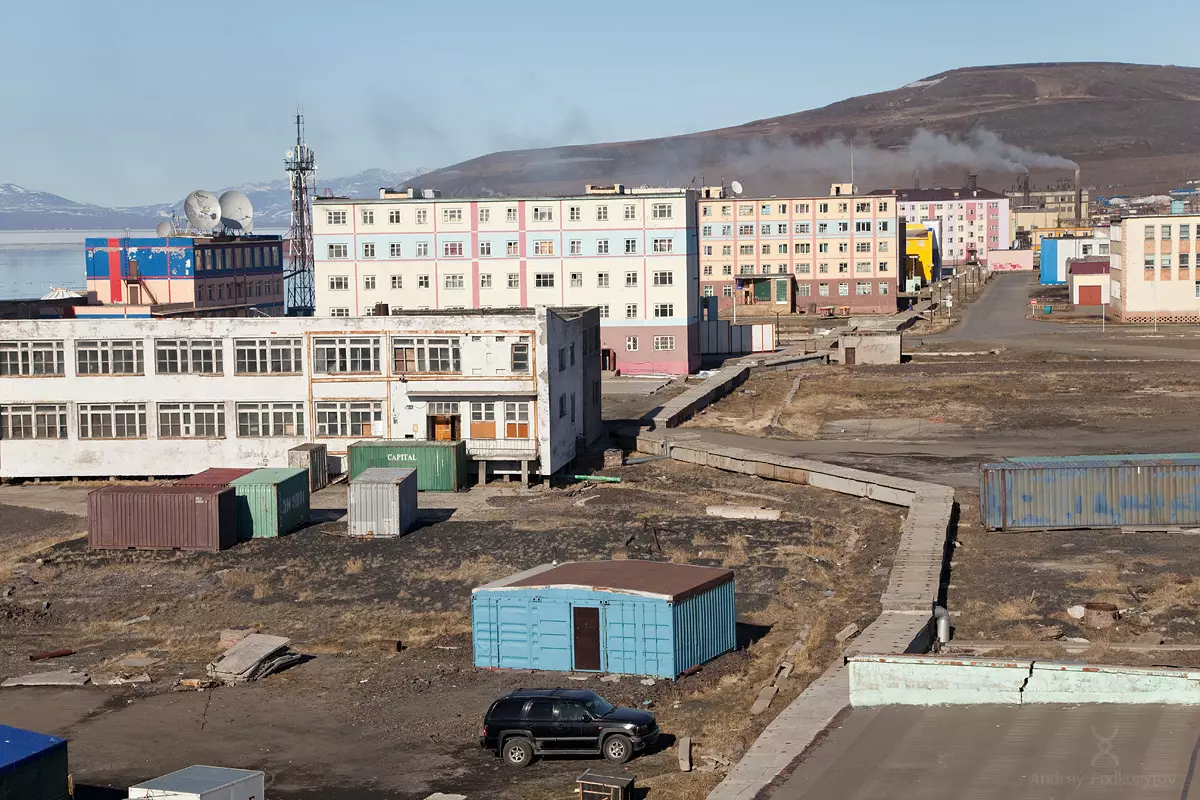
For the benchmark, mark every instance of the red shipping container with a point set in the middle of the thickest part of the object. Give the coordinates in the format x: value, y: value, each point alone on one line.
x: 167, y: 517
x: 215, y: 476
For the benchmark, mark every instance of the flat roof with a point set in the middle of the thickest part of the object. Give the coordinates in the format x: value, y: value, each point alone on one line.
x: 398, y: 197
x: 1015, y: 752
x: 649, y: 578
x: 17, y: 745
x: 197, y: 779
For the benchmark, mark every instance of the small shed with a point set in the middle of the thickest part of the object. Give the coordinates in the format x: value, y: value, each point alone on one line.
x: 868, y: 347
x: 632, y: 617
x: 204, y: 783
x: 1089, y: 279
x: 605, y: 784
x: 33, y: 766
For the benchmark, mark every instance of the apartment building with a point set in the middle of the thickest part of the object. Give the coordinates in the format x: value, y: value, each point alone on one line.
x: 1153, y: 272
x: 630, y: 252
x: 175, y: 396
x: 797, y: 254
x: 177, y: 275
x: 969, y: 222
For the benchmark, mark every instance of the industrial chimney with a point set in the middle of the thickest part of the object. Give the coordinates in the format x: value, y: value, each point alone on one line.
x: 1078, y: 198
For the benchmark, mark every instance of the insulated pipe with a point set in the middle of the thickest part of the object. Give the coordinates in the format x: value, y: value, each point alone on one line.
x: 942, y: 620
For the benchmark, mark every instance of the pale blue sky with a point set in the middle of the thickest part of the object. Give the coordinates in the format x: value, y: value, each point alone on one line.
x: 128, y: 101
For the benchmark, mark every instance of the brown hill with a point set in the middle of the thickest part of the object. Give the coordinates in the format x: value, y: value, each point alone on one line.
x: 1132, y: 128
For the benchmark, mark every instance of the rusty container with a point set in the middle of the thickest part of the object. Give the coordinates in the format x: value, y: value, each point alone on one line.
x: 215, y: 476
x: 168, y: 517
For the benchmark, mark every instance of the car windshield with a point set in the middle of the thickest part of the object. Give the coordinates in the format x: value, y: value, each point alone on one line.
x: 598, y: 706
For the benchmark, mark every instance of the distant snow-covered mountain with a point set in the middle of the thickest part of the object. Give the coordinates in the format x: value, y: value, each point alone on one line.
x: 29, y: 209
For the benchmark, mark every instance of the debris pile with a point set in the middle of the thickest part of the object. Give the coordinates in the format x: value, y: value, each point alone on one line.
x: 256, y: 656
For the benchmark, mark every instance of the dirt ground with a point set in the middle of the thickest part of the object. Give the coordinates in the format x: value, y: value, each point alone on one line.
x: 379, y: 725
x: 1017, y: 587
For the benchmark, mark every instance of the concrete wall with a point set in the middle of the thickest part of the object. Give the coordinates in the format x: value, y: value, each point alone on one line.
x: 869, y: 348
x: 388, y: 403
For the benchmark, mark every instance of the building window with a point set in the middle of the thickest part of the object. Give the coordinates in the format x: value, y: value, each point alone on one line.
x: 843, y: 290
x: 434, y: 354
x: 766, y: 269
x: 350, y: 354
x: 341, y: 311
x: 883, y: 266
x: 708, y: 270
x: 422, y: 249
x: 576, y: 247
x: 510, y: 214
x: 602, y: 247
x: 368, y: 216
x: 1184, y: 260
x: 349, y: 418
x: 630, y: 211
x: 485, y: 214
x: 576, y: 280
x: 485, y: 248
x: 843, y: 227
x: 602, y: 280
x: 804, y: 269
x: 630, y: 246
x: 112, y: 420
x: 543, y: 247
x: 188, y: 356
x: 727, y: 269
x: 519, y: 360
x: 339, y: 283
x: 543, y: 213
x: 664, y: 278
x: 422, y: 216
x: 574, y: 213
x: 1165, y: 262
x: 862, y: 266
x: 803, y: 290
x: 631, y: 344
x: 335, y: 217
x: 862, y: 288
x: 368, y: 282
x: 843, y: 268
x: 269, y: 419
x: 745, y: 249
x: 745, y: 230
x: 543, y: 280
x: 31, y: 358
x: 452, y: 249
x: 514, y: 280
x: 485, y: 280
x: 766, y: 249
x: 631, y: 280
x: 394, y: 217
x: 48, y: 421
x: 883, y: 288
x: 664, y: 310
x: 804, y: 247
x: 708, y: 290
x: 823, y: 290
x: 109, y: 357
x: 661, y: 211
x: 664, y: 342
x: 453, y: 281
x: 727, y: 291
x: 1166, y: 231
x: 663, y: 245
x: 395, y: 250
x: 191, y: 421
x: 601, y: 213
x: 862, y: 247
x: 631, y: 311
x: 368, y: 250
x: 338, y: 251
x: 884, y: 226
x: 822, y: 227
x: 603, y: 312
x: 1148, y: 262
x: 422, y: 281
x: 452, y: 215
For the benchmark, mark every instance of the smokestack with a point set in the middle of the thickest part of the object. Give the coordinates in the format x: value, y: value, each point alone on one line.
x: 1079, y: 199
x: 972, y: 181
x: 1023, y: 185
x: 917, y: 179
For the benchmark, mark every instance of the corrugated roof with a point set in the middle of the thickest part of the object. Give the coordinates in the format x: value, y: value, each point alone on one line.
x: 1069, y: 462
x: 197, y: 779
x: 215, y: 476
x: 1088, y: 266
x: 267, y: 475
x: 383, y: 475
x: 18, y: 745
x: 157, y: 488
x: 660, y: 579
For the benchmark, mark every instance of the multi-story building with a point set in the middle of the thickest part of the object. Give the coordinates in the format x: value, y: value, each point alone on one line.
x: 1059, y: 201
x: 84, y: 398
x: 1057, y: 251
x: 969, y: 222
x: 1153, y: 269
x: 184, y: 275
x: 631, y: 252
x: 920, y: 244
x: 797, y: 254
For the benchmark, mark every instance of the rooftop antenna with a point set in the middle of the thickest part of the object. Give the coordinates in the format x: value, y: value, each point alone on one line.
x: 301, y: 166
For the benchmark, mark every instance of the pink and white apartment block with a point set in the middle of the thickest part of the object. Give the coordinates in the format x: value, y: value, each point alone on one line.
x: 799, y: 254
x: 631, y: 252
x: 969, y: 222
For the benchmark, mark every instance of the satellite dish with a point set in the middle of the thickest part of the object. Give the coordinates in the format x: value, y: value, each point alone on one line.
x: 737, y: 187
x: 203, y: 210
x: 162, y: 229
x: 237, y: 214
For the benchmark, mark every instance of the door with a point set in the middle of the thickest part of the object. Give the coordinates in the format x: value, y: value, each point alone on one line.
x: 586, y: 624
x: 850, y: 356
x: 608, y: 360
x: 483, y: 420
x: 569, y: 719
x: 762, y: 291
x: 539, y: 716
x: 781, y: 290
x: 1090, y: 296
x: 443, y: 427
x: 516, y: 420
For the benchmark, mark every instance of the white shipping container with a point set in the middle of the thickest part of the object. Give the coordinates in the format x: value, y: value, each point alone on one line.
x: 204, y: 783
x: 383, y: 502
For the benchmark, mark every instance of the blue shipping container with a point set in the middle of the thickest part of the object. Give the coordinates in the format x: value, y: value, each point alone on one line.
x: 33, y: 766
x: 1091, y: 491
x: 630, y: 617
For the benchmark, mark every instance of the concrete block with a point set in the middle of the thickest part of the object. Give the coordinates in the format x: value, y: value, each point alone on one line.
x: 1058, y: 682
x: 834, y: 483
x: 763, y: 701
x: 742, y: 512
x: 933, y: 681
x: 58, y: 677
x: 685, y: 754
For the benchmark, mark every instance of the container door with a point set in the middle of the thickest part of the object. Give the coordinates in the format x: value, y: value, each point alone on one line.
x: 851, y: 355
x: 586, y: 624
x: 483, y: 420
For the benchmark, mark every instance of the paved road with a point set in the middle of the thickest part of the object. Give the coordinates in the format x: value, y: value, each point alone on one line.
x: 998, y: 313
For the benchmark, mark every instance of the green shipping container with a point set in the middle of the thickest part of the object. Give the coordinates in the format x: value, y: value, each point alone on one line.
x: 440, y: 466
x: 271, y: 502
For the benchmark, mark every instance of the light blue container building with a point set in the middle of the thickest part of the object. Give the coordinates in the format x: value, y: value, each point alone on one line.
x: 630, y: 617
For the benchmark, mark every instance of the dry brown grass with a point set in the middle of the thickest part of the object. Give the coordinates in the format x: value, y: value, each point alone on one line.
x: 738, y: 553
x: 239, y: 578
x: 474, y: 572
x: 1106, y: 579
x: 354, y: 565
x: 28, y: 549
x: 1171, y: 592
x: 1019, y: 608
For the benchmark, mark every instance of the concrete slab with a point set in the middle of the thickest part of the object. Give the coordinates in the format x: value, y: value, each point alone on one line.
x: 59, y: 677
x: 625, y: 387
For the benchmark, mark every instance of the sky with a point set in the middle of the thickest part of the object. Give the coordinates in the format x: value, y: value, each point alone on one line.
x: 135, y: 102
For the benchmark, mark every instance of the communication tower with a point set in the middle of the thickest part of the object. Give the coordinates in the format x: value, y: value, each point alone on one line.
x: 301, y: 167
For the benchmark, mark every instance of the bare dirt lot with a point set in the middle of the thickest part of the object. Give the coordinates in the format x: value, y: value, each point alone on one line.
x: 358, y: 722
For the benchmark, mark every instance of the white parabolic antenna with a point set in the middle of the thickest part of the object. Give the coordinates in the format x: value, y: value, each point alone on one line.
x: 237, y: 214
x: 163, y: 228
x: 203, y: 210
x: 737, y: 187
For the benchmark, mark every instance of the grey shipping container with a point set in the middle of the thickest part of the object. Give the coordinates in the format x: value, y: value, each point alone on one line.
x: 162, y: 518
x: 315, y: 459
x: 1091, y: 491
x: 440, y: 466
x: 383, y: 502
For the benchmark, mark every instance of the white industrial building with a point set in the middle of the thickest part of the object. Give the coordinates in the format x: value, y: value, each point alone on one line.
x: 87, y: 398
x: 1154, y: 274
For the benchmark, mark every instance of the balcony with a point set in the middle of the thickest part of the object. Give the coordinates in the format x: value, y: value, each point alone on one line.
x: 502, y: 449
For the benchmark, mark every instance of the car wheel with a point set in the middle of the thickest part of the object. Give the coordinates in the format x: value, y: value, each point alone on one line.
x: 517, y: 752
x: 618, y: 749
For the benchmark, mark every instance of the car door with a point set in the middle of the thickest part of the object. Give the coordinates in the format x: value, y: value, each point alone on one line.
x: 539, y: 717
x: 569, y: 719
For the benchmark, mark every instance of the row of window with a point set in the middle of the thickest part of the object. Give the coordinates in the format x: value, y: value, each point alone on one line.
x: 765, y: 209
x: 805, y: 289
x: 1185, y: 231
x: 661, y: 343
x: 541, y: 280
x: 539, y: 213
x: 283, y: 356
x: 797, y: 229
x: 1164, y: 262
x: 335, y: 418
x: 801, y: 268
x: 236, y: 257
x: 541, y: 247
x: 801, y: 248
x: 236, y: 291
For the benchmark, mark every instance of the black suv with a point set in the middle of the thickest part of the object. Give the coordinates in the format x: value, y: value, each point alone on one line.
x: 529, y: 722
